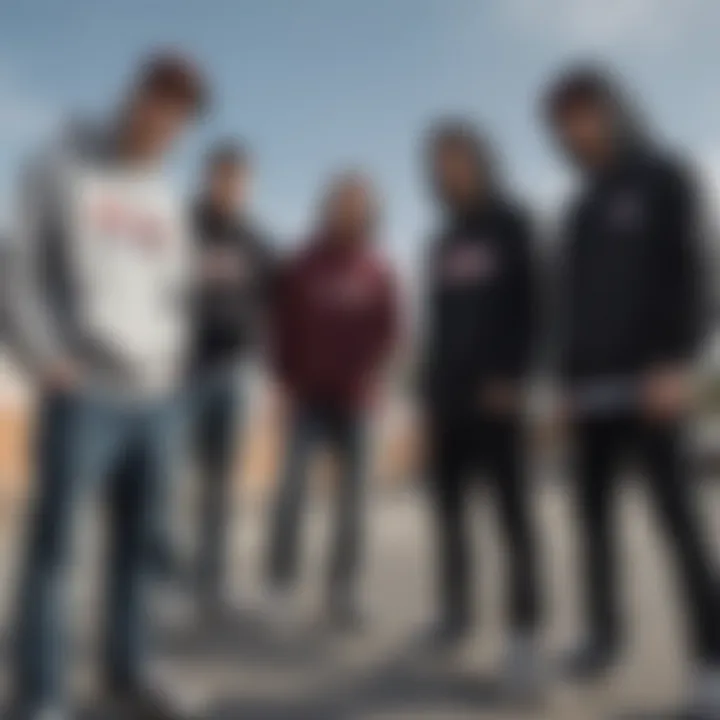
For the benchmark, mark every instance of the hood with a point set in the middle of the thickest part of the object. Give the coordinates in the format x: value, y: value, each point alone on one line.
x: 464, y: 134
x: 324, y: 245
x: 90, y: 139
x: 97, y: 142
x: 586, y: 83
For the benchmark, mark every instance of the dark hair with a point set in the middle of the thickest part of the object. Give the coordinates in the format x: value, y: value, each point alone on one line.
x: 227, y: 152
x: 351, y: 178
x: 579, y: 86
x: 461, y: 134
x: 596, y: 87
x: 174, y: 76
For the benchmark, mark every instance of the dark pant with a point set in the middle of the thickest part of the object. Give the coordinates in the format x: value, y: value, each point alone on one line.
x: 214, y: 409
x: 343, y: 433
x: 85, y: 444
x: 601, y: 447
x: 462, y: 446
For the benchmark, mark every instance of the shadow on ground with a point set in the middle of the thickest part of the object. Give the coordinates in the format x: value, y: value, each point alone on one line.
x: 240, y: 637
x: 404, y: 684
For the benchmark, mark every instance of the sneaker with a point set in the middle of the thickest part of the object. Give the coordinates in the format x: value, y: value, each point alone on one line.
x: 445, y: 635
x: 45, y: 713
x: 590, y: 661
x: 142, y: 705
x: 704, y: 696
x: 214, y: 607
x: 524, y: 675
x: 51, y: 714
x: 280, y: 608
x: 345, y: 616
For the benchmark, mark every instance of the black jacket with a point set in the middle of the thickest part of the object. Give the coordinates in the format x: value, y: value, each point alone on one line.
x: 481, y: 296
x: 631, y: 260
x: 231, y: 305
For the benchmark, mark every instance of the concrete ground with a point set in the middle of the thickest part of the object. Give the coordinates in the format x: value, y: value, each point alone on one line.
x: 243, y: 668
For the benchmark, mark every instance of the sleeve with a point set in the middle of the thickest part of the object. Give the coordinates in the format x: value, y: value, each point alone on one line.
x: 270, y: 268
x: 426, y: 325
x: 516, y: 351
x: 559, y: 286
x: 282, y: 321
x: 31, y: 326
x: 389, y: 325
x: 681, y: 290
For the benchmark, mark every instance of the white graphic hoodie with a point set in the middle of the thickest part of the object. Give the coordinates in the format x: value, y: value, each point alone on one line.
x: 101, y: 268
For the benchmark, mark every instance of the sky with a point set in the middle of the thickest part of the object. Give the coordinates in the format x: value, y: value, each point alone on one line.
x: 314, y: 85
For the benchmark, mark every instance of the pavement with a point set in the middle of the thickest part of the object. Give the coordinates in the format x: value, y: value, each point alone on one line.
x: 241, y: 666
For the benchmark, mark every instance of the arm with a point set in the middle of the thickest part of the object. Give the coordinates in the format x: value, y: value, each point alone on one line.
x: 681, y: 290
x: 388, y: 330
x: 679, y: 300
x: 33, y: 257
x: 426, y: 330
x: 502, y: 393
x: 561, y: 282
x: 515, y: 356
x: 282, y: 319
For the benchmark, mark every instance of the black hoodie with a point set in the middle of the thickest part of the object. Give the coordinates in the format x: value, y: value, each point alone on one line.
x: 481, y: 298
x: 230, y: 307
x: 631, y: 258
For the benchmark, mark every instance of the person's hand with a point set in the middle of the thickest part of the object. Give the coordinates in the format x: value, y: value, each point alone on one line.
x: 666, y: 393
x: 500, y: 397
x: 61, y: 375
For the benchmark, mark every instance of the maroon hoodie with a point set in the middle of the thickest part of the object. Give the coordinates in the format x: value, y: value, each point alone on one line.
x: 335, y: 322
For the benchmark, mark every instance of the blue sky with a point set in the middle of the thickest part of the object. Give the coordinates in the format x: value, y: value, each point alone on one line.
x: 315, y: 84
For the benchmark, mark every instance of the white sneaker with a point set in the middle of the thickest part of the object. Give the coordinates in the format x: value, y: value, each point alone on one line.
x: 524, y: 675
x: 704, y: 699
x: 280, y: 608
x: 19, y: 712
x: 48, y: 713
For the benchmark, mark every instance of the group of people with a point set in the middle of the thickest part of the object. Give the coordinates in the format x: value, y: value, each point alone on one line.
x: 132, y: 319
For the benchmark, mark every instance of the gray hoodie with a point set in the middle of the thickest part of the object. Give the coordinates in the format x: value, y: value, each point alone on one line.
x: 100, y: 267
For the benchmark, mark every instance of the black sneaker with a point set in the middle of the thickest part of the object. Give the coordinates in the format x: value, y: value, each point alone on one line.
x: 589, y: 662
x: 142, y: 705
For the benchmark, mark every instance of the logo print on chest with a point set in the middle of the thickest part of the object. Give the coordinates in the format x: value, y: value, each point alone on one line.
x: 118, y: 222
x: 469, y: 262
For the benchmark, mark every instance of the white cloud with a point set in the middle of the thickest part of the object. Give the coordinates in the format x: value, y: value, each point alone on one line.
x: 603, y: 24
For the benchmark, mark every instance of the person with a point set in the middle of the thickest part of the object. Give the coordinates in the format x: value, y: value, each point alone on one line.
x: 479, y: 333
x: 336, y: 318
x: 102, y: 264
x: 235, y: 287
x: 633, y: 301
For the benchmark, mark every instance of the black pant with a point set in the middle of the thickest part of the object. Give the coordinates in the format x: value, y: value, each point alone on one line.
x: 601, y: 445
x: 462, y: 446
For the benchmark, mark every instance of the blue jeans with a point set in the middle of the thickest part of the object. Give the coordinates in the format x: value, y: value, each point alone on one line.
x: 214, y: 410
x: 344, y: 434
x: 85, y: 444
